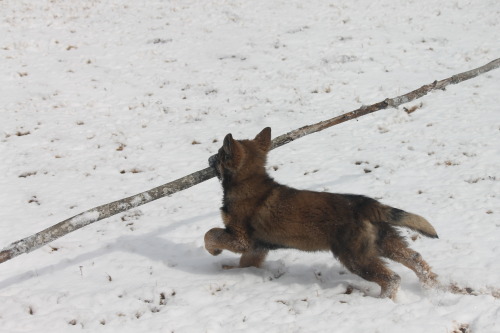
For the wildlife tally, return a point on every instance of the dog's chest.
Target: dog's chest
(242, 213)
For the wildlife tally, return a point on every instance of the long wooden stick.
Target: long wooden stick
(81, 220)
(388, 102)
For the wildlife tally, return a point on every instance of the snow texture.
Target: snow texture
(100, 100)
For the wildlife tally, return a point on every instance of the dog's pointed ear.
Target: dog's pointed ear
(264, 138)
(228, 144)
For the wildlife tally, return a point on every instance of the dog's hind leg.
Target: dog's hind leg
(374, 269)
(394, 247)
(355, 245)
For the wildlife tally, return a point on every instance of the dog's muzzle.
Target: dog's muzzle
(212, 161)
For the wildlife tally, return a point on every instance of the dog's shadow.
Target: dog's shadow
(192, 258)
(150, 245)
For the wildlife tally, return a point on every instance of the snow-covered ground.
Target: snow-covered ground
(104, 99)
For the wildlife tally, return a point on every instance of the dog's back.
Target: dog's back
(312, 221)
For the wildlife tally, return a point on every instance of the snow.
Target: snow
(100, 100)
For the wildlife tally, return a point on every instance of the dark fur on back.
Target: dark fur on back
(260, 214)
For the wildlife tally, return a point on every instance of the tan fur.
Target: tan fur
(417, 222)
(261, 215)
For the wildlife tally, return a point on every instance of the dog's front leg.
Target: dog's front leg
(251, 258)
(218, 239)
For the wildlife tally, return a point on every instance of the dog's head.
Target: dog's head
(241, 157)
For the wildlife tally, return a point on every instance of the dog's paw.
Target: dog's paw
(212, 239)
(214, 251)
(430, 280)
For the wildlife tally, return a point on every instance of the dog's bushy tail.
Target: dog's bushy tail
(376, 212)
(400, 218)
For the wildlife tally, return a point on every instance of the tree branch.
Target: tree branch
(81, 220)
(389, 102)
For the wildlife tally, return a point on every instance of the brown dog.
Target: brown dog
(261, 215)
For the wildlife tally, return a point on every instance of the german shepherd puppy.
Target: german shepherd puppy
(261, 215)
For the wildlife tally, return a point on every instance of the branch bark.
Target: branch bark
(81, 220)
